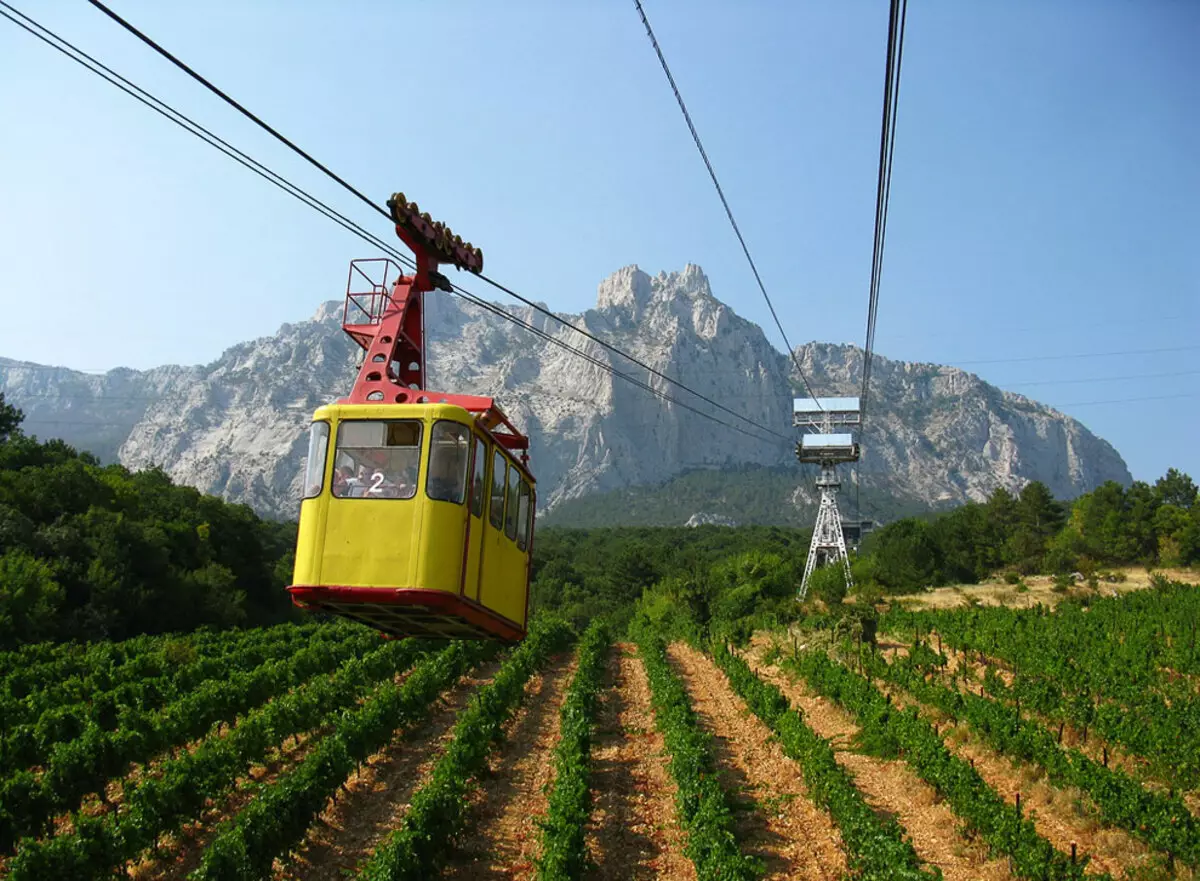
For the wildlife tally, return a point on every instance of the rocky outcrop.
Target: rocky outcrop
(236, 427)
(944, 435)
(702, 519)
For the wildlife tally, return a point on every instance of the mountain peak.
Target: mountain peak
(632, 291)
(237, 426)
(626, 290)
(690, 283)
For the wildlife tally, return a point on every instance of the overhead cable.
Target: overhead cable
(277, 180)
(224, 96)
(887, 147)
(721, 193)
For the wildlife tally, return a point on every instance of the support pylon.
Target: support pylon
(828, 544)
(827, 449)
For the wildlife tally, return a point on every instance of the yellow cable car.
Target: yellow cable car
(418, 507)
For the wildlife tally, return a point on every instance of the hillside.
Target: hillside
(235, 427)
(751, 495)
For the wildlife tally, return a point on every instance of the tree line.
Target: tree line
(1032, 532)
(92, 552)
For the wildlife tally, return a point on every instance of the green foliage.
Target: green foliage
(828, 583)
(875, 842)
(438, 811)
(42, 709)
(905, 556)
(727, 582)
(29, 598)
(1177, 489)
(1163, 821)
(1033, 533)
(10, 419)
(586, 574)
(703, 807)
(93, 553)
(564, 831)
(972, 799)
(281, 812)
(85, 763)
(1119, 666)
(184, 784)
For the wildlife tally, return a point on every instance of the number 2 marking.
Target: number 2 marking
(376, 482)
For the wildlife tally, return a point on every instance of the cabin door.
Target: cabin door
(477, 503)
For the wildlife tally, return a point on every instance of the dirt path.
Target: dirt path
(182, 851)
(503, 836)
(1062, 816)
(1094, 747)
(890, 787)
(377, 798)
(793, 837)
(633, 834)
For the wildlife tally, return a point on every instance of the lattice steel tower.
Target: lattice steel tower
(821, 446)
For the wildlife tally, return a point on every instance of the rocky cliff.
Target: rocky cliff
(235, 427)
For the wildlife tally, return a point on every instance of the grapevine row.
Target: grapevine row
(29, 802)
(281, 812)
(1163, 822)
(564, 847)
(437, 814)
(1103, 667)
(183, 785)
(33, 743)
(876, 845)
(703, 806)
(1000, 824)
(27, 691)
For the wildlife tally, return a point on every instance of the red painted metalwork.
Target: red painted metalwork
(387, 319)
(410, 611)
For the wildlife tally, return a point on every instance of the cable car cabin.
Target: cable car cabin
(416, 521)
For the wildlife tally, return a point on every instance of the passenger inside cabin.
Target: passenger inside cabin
(447, 475)
(341, 480)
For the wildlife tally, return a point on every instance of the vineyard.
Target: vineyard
(975, 743)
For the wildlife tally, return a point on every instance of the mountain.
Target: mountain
(235, 427)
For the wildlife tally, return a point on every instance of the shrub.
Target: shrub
(828, 583)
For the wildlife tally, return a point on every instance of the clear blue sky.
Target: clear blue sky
(1044, 199)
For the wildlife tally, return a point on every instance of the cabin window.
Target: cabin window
(377, 460)
(314, 468)
(477, 479)
(523, 517)
(449, 444)
(510, 519)
(496, 504)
